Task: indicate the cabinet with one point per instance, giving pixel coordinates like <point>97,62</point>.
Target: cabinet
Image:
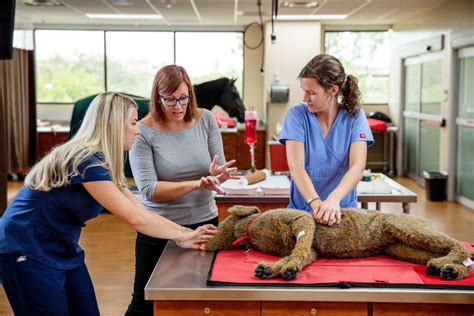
<point>314,308</point>
<point>390,309</point>
<point>49,139</point>
<point>191,308</point>
<point>283,308</point>
<point>236,148</point>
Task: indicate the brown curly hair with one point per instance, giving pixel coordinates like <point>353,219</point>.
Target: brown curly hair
<point>328,71</point>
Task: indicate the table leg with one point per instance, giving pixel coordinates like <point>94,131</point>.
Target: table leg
<point>378,206</point>
<point>364,205</point>
<point>406,207</point>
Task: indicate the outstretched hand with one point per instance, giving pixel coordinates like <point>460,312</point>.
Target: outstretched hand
<point>195,238</point>
<point>225,172</point>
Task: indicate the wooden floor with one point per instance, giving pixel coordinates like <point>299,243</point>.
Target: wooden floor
<point>109,246</point>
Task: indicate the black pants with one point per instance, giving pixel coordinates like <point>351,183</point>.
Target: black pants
<point>147,252</point>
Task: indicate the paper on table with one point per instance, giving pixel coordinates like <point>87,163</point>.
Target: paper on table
<point>272,185</point>
<point>239,187</point>
<point>276,185</point>
<point>378,186</point>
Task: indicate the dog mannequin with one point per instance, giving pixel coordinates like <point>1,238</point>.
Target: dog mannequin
<point>298,239</point>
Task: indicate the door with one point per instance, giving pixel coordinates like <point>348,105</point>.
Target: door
<point>465,129</point>
<point>422,114</point>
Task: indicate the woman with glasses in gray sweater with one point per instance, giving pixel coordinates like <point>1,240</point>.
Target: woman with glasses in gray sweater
<point>177,161</point>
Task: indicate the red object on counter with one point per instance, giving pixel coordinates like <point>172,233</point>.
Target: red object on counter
<point>222,119</point>
<point>377,125</point>
<point>278,159</point>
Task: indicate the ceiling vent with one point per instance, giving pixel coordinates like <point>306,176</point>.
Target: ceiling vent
<point>50,3</point>
<point>299,4</point>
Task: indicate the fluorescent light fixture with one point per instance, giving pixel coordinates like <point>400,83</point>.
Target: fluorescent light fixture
<point>125,16</point>
<point>300,4</point>
<point>311,17</point>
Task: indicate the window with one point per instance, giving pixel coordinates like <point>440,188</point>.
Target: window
<point>133,58</point>
<point>219,54</point>
<point>365,55</point>
<point>70,65</point>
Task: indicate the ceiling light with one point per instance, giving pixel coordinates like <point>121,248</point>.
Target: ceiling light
<point>300,4</point>
<point>168,3</point>
<point>311,17</point>
<point>42,2</point>
<point>125,16</point>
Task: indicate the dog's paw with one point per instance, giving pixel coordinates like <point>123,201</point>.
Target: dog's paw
<point>448,273</point>
<point>454,271</point>
<point>263,271</point>
<point>433,270</point>
<point>290,274</point>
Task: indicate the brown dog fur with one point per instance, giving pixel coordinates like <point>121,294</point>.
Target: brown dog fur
<point>361,233</point>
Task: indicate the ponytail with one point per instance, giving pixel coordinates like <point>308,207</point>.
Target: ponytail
<point>351,96</point>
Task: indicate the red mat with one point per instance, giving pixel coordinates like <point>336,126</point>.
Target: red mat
<point>236,267</point>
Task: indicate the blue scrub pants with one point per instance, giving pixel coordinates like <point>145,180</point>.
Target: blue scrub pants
<point>34,288</point>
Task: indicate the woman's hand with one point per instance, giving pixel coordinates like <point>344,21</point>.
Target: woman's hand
<point>210,183</point>
<point>327,212</point>
<point>195,238</point>
<point>224,172</point>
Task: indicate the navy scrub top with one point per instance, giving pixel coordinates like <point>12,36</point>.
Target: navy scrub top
<point>46,226</point>
<point>326,159</point>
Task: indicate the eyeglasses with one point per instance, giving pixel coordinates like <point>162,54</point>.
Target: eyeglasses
<point>171,102</point>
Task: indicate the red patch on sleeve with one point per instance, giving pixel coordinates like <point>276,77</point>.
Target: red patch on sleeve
<point>362,135</point>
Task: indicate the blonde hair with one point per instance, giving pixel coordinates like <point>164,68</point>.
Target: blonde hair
<point>102,131</point>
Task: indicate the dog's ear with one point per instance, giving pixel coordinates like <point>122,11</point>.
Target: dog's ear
<point>243,211</point>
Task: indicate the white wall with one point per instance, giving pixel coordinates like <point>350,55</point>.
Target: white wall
<point>253,79</point>
<point>296,43</point>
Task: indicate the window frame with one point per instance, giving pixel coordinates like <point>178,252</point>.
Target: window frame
<point>340,29</point>
<point>104,60</point>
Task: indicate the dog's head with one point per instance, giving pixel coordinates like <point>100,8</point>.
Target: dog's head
<point>225,237</point>
<point>241,211</point>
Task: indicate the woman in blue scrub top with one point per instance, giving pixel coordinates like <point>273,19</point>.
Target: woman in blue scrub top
<point>41,263</point>
<point>326,140</point>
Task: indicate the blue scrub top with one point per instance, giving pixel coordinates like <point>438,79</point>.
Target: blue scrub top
<point>326,160</point>
<point>46,226</point>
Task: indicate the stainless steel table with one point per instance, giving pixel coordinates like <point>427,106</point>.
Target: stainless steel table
<point>180,276</point>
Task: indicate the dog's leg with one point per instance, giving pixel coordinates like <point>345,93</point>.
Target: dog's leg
<point>404,252</point>
<point>450,266</point>
<point>301,255</point>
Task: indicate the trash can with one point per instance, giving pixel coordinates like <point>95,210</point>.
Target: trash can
<point>435,185</point>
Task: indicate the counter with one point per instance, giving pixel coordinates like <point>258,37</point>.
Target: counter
<point>399,194</point>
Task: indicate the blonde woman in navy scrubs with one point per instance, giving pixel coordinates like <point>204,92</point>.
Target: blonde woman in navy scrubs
<point>326,140</point>
<point>41,263</point>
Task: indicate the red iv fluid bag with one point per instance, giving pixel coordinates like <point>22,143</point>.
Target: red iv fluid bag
<point>250,127</point>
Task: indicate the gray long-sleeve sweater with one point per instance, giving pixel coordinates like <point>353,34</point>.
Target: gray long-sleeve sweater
<point>177,156</point>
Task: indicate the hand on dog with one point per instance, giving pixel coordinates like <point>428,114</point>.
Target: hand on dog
<point>196,238</point>
<point>327,212</point>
